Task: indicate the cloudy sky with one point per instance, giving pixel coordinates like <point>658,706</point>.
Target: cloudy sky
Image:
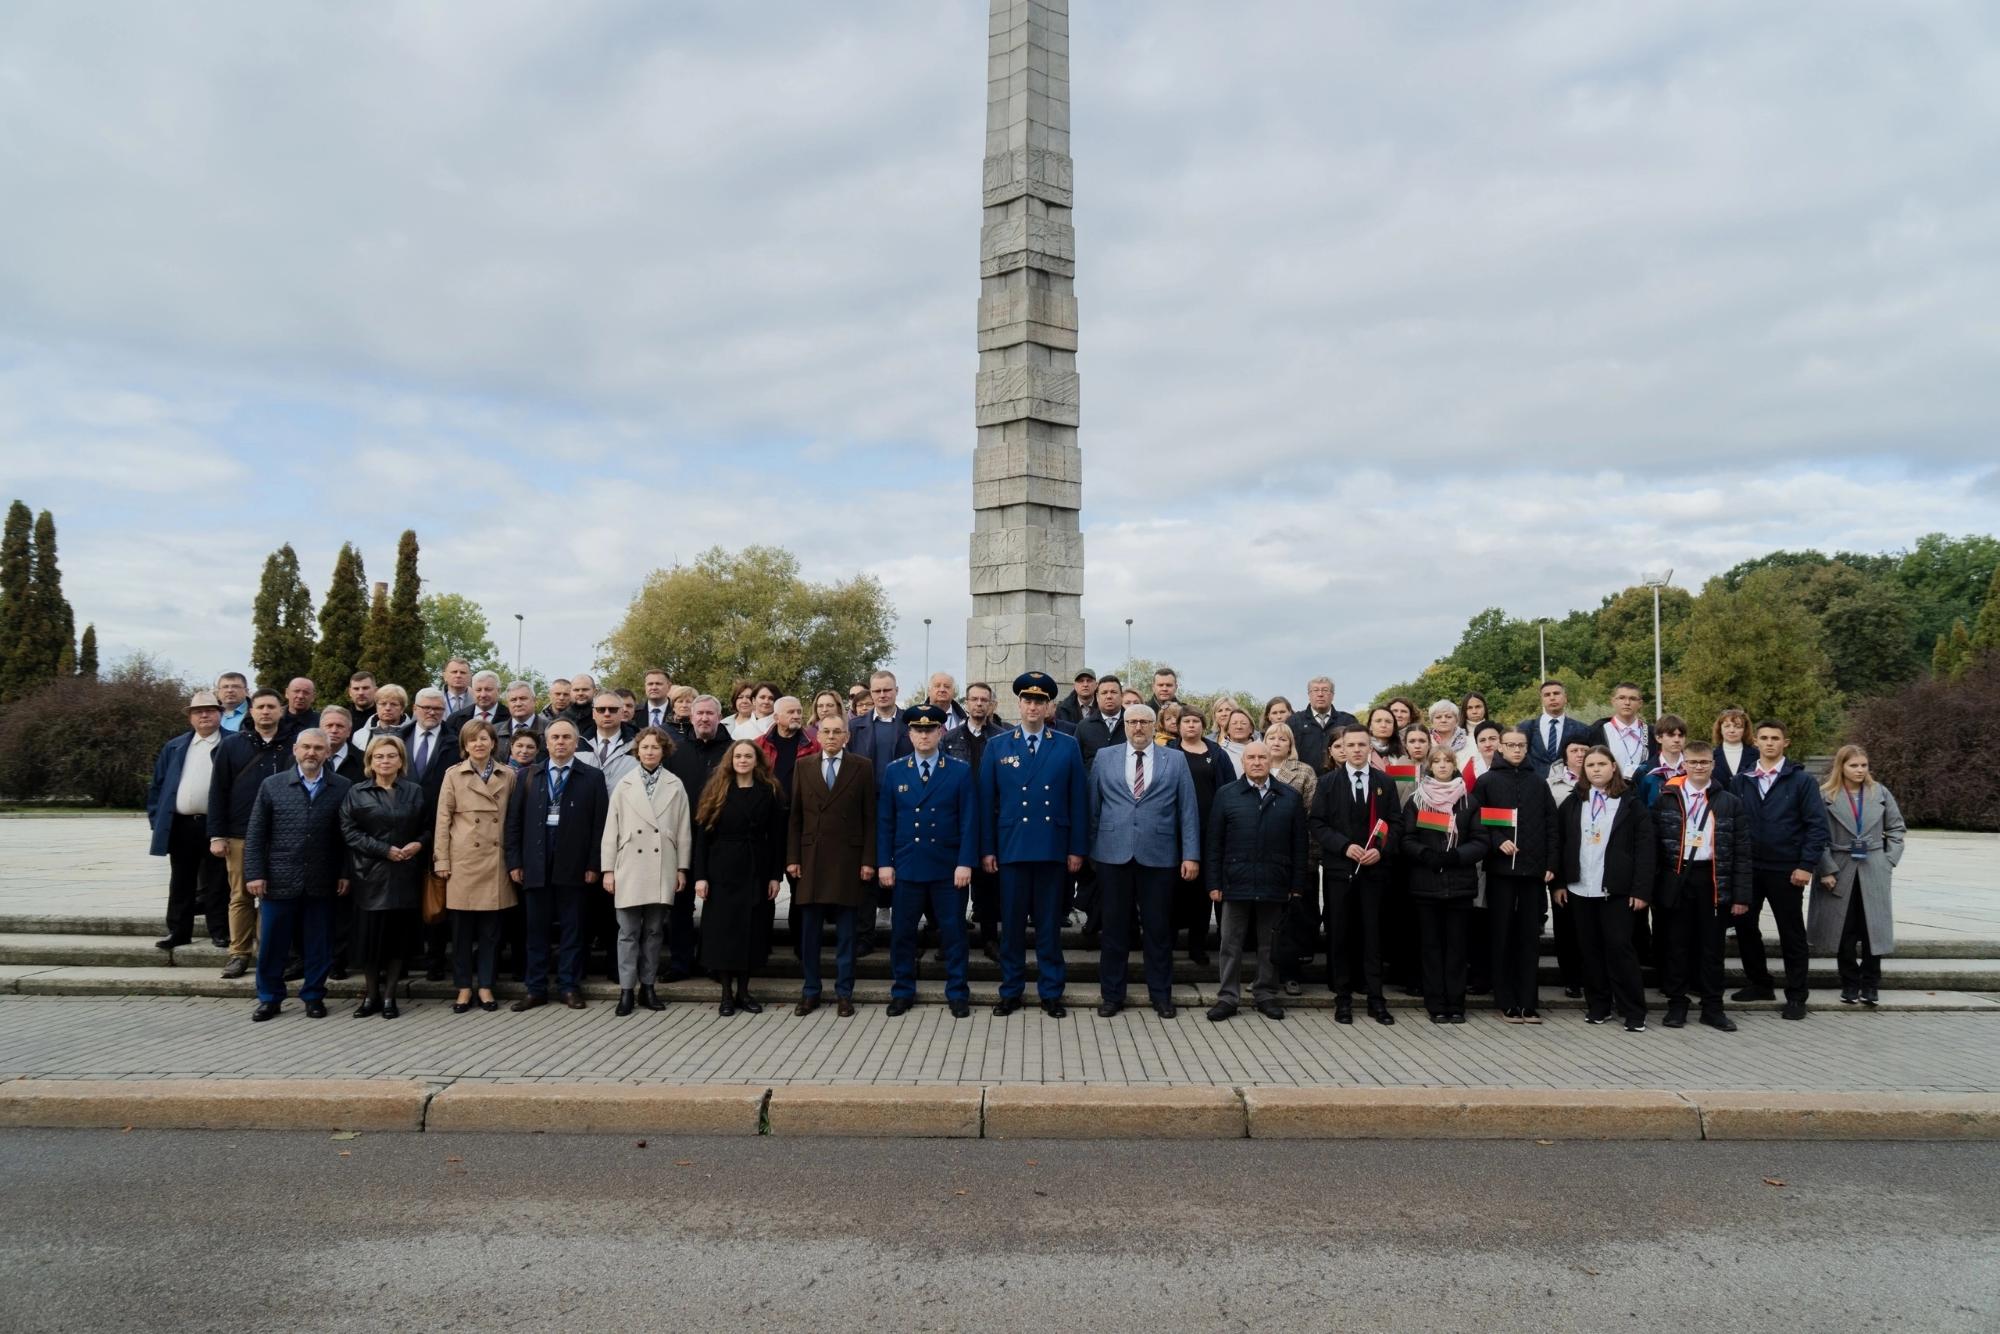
<point>1389,312</point>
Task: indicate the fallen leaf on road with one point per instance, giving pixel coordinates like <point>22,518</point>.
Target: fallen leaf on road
<point>683,1162</point>
<point>347,1153</point>
<point>1773,1181</point>
<point>454,1160</point>
<point>1042,1193</point>
<point>961,1192</point>
<point>347,1134</point>
<point>640,1145</point>
<point>1545,1142</point>
<point>126,1131</point>
<point>1031,1162</point>
<point>1592,1272</point>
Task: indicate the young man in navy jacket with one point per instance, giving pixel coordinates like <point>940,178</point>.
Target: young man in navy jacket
<point>1786,820</point>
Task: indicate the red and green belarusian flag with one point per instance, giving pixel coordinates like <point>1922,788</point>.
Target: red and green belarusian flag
<point>1439,820</point>
<point>1401,773</point>
<point>1499,817</point>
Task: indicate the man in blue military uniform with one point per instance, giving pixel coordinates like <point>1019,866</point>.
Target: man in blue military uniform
<point>927,836</point>
<point>1034,829</point>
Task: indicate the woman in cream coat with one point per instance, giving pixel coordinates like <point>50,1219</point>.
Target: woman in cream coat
<point>648,843</point>
<point>467,853</point>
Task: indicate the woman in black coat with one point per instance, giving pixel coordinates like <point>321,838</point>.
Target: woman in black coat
<point>1210,768</point>
<point>1441,848</point>
<point>1521,860</point>
<point>384,824</point>
<point>739,847</point>
<point>1608,860</point>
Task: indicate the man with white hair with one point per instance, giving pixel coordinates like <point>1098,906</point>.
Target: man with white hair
<point>485,704</point>
<point>295,868</point>
<point>943,693</point>
<point>521,715</point>
<point>1144,825</point>
<point>1314,725</point>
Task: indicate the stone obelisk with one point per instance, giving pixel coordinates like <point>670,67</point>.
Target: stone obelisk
<point>1027,473</point>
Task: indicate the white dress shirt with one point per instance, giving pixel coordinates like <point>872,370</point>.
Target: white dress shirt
<point>191,797</point>
<point>1595,834</point>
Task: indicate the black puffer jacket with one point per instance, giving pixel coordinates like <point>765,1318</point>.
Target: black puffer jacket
<point>242,762</point>
<point>1435,873</point>
<point>372,822</point>
<point>1729,867</point>
<point>1537,833</point>
<point>293,845</point>
<point>1258,845</point>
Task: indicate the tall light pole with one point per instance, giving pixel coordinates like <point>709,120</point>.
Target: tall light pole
<point>1542,629</point>
<point>1128,641</point>
<point>520,626</point>
<point>927,654</point>
<point>1657,580</point>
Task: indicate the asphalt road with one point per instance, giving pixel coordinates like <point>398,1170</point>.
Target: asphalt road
<point>174,1231</point>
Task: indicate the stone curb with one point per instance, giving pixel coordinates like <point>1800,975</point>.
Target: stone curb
<point>1441,1113</point>
<point>878,1111</point>
<point>1734,1114</point>
<point>1100,1111</point>
<point>231,1104</point>
<point>1002,1111</point>
<point>614,1109</point>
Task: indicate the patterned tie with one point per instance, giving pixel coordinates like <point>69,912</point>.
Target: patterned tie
<point>1552,736</point>
<point>423,754</point>
<point>656,717</point>
<point>1034,738</point>
<point>1765,777</point>
<point>925,769</point>
<point>1139,774</point>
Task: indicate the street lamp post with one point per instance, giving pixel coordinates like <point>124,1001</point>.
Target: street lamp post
<point>520,625</point>
<point>927,653</point>
<point>1542,629</point>
<point>1656,581</point>
<point>1128,640</point>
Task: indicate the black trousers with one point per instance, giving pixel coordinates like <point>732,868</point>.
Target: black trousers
<point>1443,925</point>
<point>1859,965</point>
<point>1693,932</point>
<point>1354,920</point>
<point>468,929</point>
<point>1787,902</point>
<point>1150,889</point>
<point>1610,966</point>
<point>195,880</point>
<point>1298,934</point>
<point>1569,958</point>
<point>1515,905</point>
<point>986,903</point>
<point>683,944</point>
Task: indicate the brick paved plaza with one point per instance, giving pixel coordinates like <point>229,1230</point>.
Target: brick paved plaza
<point>90,873</point>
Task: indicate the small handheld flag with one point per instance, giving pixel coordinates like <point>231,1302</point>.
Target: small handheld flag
<point>1380,830</point>
<point>1439,820</point>
<point>1500,817</point>
<point>1401,773</point>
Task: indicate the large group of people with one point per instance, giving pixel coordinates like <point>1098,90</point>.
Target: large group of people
<point>652,833</point>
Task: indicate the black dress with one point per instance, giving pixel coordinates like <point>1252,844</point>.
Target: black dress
<point>739,858</point>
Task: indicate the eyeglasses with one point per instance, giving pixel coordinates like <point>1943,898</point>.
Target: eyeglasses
<point>606,708</point>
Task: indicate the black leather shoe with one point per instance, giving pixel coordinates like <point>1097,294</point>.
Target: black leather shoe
<point>1165,1010</point>
<point>372,1005</point>
<point>844,1007</point>
<point>528,1002</point>
<point>960,1010</point>
<point>899,1006</point>
<point>1677,1016</point>
<point>1220,1011</point>
<point>1343,1011</point>
<point>572,999</point>
<point>1270,1009</point>
<point>1380,1014</point>
<point>1793,1010</point>
<point>315,1009</point>
<point>627,1002</point>
<point>650,998</point>
<point>265,1010</point>
<point>1054,1009</point>
<point>806,1006</point>
<point>1721,1022</point>
<point>389,1010</point>
<point>461,1007</point>
<point>991,949</point>
<point>238,965</point>
<point>1754,994</point>
<point>1456,1017</point>
<point>1108,1010</point>
<point>748,1003</point>
<point>171,943</point>
<point>1007,1007</point>
<point>220,942</point>
<point>727,1007</point>
<point>1440,1017</point>
<point>489,1005</point>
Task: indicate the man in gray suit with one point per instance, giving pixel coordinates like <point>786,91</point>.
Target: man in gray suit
<point>1143,823</point>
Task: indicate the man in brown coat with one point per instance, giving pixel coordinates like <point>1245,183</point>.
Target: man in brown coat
<point>831,858</point>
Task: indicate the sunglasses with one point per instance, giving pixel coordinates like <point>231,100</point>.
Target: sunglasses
<point>606,708</point>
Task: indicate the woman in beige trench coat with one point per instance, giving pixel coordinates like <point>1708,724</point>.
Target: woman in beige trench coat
<point>648,842</point>
<point>469,857</point>
<point>1850,915</point>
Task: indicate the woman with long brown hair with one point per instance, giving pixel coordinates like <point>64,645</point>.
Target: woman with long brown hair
<point>739,849</point>
<point>1850,914</point>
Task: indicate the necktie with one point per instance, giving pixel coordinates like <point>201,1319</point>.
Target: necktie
<point>1596,804</point>
<point>656,717</point>
<point>831,769</point>
<point>1764,777</point>
<point>1360,789</point>
<point>1552,736</point>
<point>486,715</point>
<point>557,783</point>
<point>1139,774</point>
<point>1034,738</point>
<point>925,767</point>
<point>423,754</point>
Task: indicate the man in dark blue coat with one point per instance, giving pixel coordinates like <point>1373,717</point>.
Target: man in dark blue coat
<point>927,837</point>
<point>1260,861</point>
<point>295,867</point>
<point>1034,818</point>
<point>1787,823</point>
<point>260,749</point>
<point>177,809</point>
<point>555,828</point>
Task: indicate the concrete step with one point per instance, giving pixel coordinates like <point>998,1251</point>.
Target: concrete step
<point>138,952</point>
<point>18,924</point>
<point>180,982</point>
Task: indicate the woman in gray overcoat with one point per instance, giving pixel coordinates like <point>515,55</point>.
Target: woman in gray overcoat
<point>1851,915</point>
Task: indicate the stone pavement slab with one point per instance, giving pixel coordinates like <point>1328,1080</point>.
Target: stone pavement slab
<point>193,1038</point>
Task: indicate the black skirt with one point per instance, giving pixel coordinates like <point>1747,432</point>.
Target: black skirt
<point>385,936</point>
